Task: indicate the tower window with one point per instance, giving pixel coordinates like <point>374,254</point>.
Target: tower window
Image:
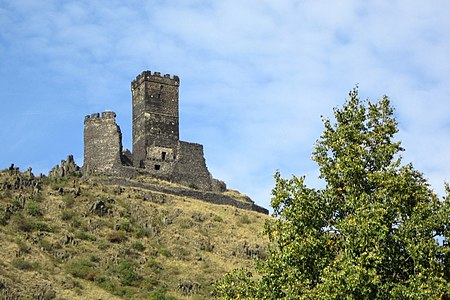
<point>163,155</point>
<point>157,167</point>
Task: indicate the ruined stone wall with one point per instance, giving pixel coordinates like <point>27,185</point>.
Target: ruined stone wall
<point>190,168</point>
<point>208,196</point>
<point>157,150</point>
<point>102,144</point>
<point>155,113</point>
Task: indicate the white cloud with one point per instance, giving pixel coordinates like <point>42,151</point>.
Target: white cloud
<point>255,75</point>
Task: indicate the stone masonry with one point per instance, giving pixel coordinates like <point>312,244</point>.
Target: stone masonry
<point>157,150</point>
<point>102,144</point>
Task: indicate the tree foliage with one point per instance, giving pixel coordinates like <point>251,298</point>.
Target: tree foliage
<point>375,231</point>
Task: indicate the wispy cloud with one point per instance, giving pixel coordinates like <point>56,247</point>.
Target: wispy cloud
<point>255,76</point>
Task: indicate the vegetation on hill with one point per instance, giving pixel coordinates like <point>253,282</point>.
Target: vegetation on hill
<point>71,238</point>
<point>375,231</point>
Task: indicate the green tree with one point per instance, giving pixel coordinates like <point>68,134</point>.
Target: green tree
<point>375,231</point>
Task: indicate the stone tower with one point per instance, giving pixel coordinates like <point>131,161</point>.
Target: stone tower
<point>157,149</point>
<point>102,143</point>
<point>155,117</point>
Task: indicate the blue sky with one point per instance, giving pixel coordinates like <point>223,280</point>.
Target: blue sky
<point>256,75</point>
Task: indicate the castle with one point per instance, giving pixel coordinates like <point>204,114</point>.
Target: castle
<point>157,150</point>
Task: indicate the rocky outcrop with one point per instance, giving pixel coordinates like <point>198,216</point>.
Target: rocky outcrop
<point>67,168</point>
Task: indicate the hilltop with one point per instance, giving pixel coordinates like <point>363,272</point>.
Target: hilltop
<point>74,237</point>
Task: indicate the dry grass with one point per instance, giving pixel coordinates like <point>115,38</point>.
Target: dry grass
<point>140,245</point>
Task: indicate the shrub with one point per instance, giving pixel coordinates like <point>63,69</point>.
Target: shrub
<point>103,245</point>
<point>83,268</point>
<point>146,232</point>
<point>138,246</point>
<point>38,197</point>
<point>48,295</point>
<point>42,226</point>
<point>3,221</point>
<point>69,200</point>
<point>85,236</point>
<point>154,265</point>
<point>94,258</point>
<point>217,218</point>
<point>116,237</point>
<point>124,225</point>
<point>76,223</point>
<point>33,209</point>
<point>23,247</point>
<point>160,294</point>
<point>199,217</point>
<point>22,223</point>
<point>22,264</point>
<point>127,273</point>
<point>186,223</point>
<point>164,252</point>
<point>67,215</point>
<point>46,245</point>
<point>115,288</point>
<point>244,219</point>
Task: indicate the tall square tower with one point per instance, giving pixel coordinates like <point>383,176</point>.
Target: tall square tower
<point>155,114</point>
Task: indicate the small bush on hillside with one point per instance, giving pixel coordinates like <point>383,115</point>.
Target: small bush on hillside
<point>33,209</point>
<point>42,226</point>
<point>67,215</point>
<point>23,247</point>
<point>138,246</point>
<point>83,268</point>
<point>160,294</point>
<point>124,225</point>
<point>146,232</point>
<point>46,245</point>
<point>127,273</point>
<point>22,223</point>
<point>22,264</point>
<point>38,197</point>
<point>116,237</point>
<point>245,219</point>
<point>85,236</point>
<point>69,200</point>
<point>217,218</point>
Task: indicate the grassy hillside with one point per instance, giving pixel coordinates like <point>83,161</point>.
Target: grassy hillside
<point>69,238</point>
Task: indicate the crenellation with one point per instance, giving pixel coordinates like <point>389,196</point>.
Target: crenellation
<point>106,116</point>
<point>109,116</point>
<point>155,77</point>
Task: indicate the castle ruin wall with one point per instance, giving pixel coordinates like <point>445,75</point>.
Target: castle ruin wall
<point>190,168</point>
<point>156,149</point>
<point>102,144</point>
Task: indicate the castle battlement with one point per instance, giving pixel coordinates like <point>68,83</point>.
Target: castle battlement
<point>157,149</point>
<point>155,77</point>
<point>106,116</point>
